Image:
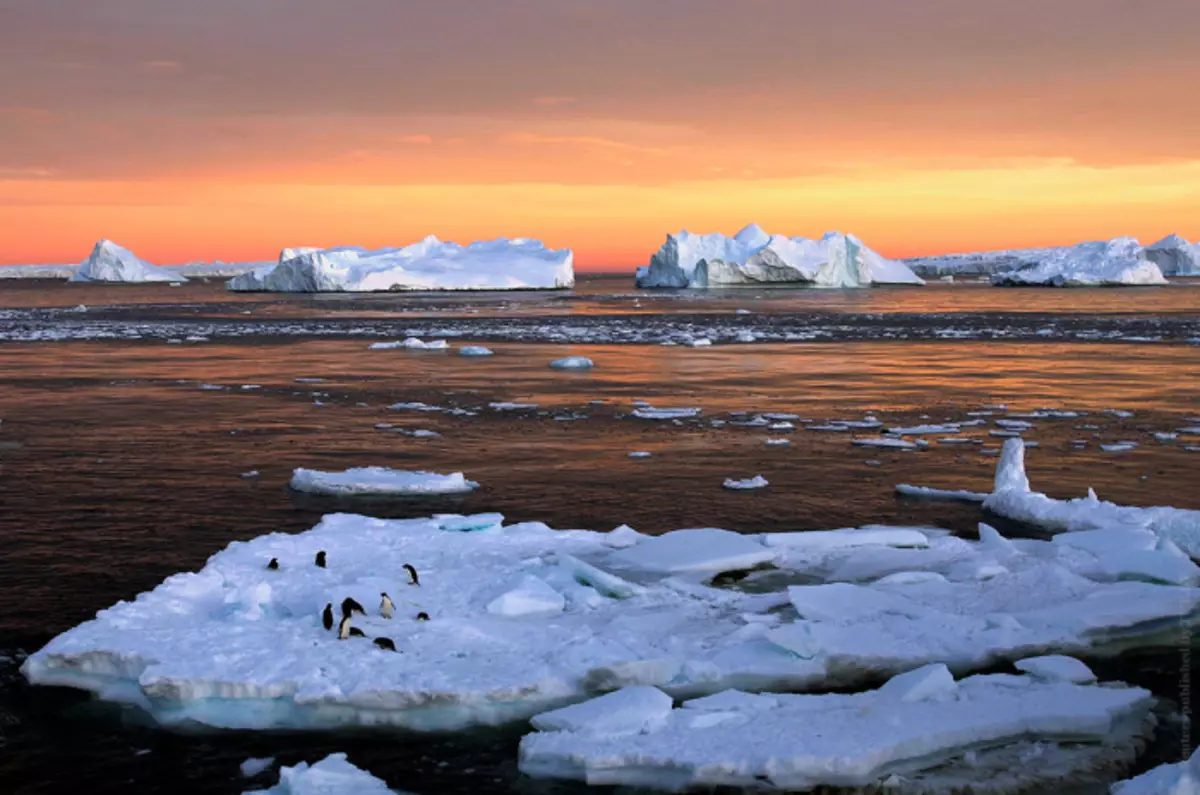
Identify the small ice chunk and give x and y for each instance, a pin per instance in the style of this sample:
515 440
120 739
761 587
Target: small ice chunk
649 413
707 549
333 775
474 350
898 444
756 482
925 493
533 596
1056 668
777 442
573 363
631 710
639 454
253 473
379 481
1119 447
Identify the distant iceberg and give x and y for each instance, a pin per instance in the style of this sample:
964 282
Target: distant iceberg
501 264
109 262
754 258
1175 256
1118 262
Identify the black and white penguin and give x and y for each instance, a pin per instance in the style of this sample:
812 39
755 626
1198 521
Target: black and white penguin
355 632
422 616
344 628
274 564
386 608
385 644
412 573
321 559
349 606
327 616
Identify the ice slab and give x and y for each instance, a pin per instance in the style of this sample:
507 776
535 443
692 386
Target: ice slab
753 257
884 442
630 710
501 264
412 344
911 729
1056 668
109 262
532 597
746 484
333 775
474 350
926 493
705 549
1180 778
365 481
650 413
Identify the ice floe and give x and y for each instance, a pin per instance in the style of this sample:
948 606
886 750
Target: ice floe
255 765
333 775
1117 262
109 262
882 441
753 258
921 732
651 413
474 350
746 484
501 264
1180 778
573 363
379 481
413 344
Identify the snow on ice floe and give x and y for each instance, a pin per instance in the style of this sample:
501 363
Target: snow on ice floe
921 732
753 258
109 262
379 481
572 363
501 264
333 775
1180 778
635 610
1117 262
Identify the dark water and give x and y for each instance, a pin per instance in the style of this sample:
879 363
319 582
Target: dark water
117 470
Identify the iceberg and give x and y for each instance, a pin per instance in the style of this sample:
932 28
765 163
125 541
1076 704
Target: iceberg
501 264
333 775
754 258
379 481
921 732
1174 256
109 262
1117 262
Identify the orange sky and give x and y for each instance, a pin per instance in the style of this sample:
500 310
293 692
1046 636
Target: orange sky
228 129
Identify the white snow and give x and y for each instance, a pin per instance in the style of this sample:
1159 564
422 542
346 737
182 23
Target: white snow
379 481
1117 262
746 484
474 350
1180 778
912 726
752 258
333 775
573 363
109 262
500 264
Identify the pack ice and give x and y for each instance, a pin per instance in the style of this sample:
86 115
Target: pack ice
752 258
921 732
524 619
1118 262
501 264
109 262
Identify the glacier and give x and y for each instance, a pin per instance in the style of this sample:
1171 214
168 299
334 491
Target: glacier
1117 262
921 732
501 264
109 262
754 258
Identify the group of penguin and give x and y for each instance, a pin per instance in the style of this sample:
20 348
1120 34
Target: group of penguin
349 606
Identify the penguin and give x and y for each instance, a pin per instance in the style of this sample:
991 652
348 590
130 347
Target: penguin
327 616
321 559
385 644
422 616
273 565
344 628
385 605
413 574
355 632
349 606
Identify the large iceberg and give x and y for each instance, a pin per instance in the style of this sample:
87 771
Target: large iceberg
1175 256
921 732
753 258
524 619
501 264
109 262
1118 262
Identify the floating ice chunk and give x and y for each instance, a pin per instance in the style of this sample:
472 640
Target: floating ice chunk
1119 447
457 523
897 444
255 765
702 342
925 493
1166 437
926 429
1056 668
631 710
639 454
474 350
253 473
533 596
928 682
412 344
1180 778
701 550
746 484
109 262
649 413
500 264
573 363
1014 425
506 406
379 481
777 442
333 775
805 742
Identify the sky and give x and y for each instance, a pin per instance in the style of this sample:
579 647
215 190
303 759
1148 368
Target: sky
231 128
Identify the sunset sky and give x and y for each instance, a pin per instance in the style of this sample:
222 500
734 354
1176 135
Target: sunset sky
203 129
